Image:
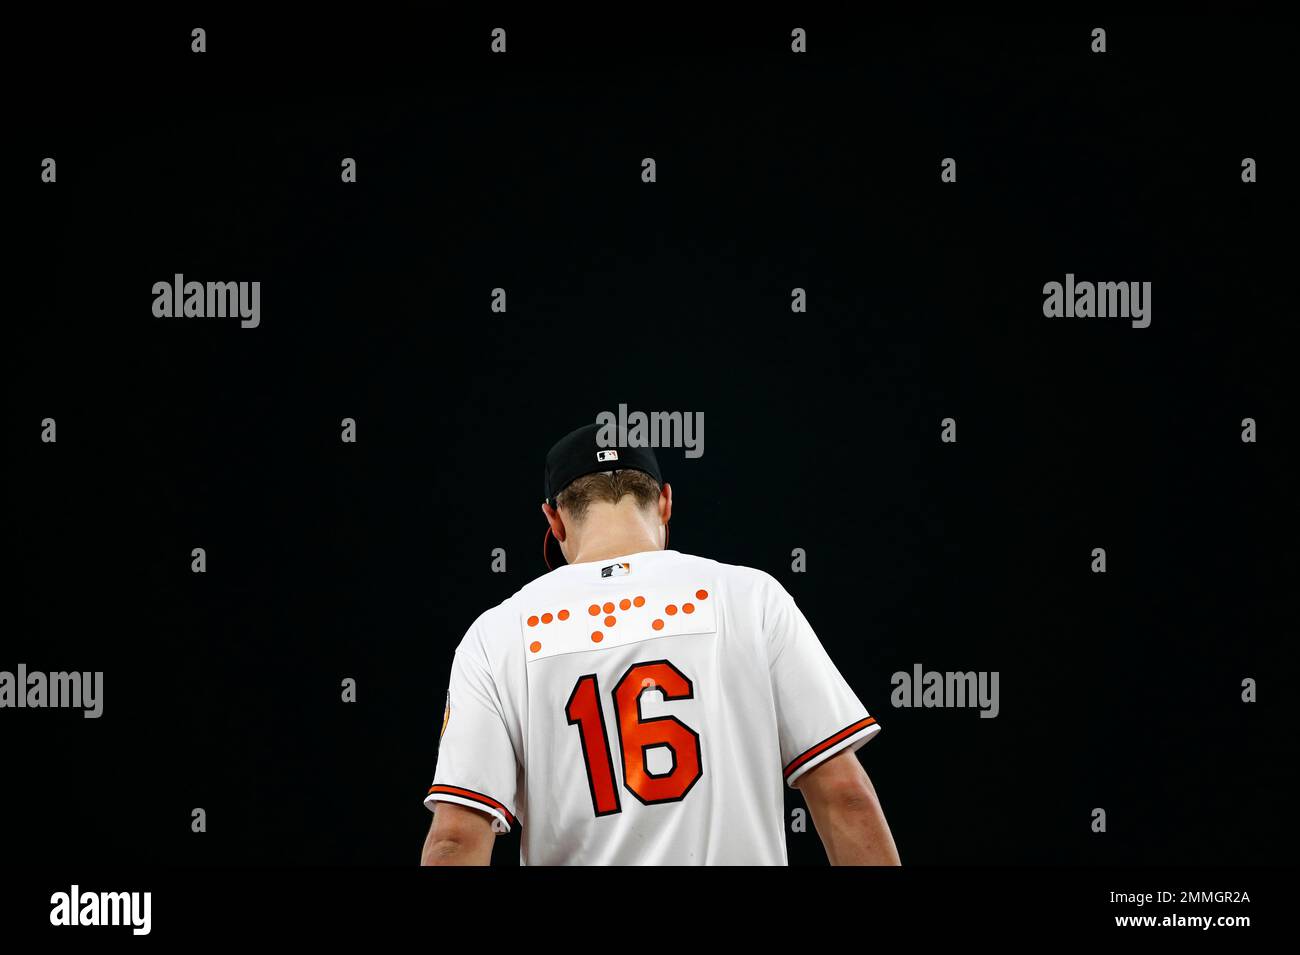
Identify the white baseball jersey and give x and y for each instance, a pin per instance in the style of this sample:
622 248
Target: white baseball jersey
644 710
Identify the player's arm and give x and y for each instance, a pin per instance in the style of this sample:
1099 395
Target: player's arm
847 813
473 793
458 836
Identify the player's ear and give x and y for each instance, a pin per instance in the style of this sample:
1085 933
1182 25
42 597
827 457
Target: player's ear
553 518
665 503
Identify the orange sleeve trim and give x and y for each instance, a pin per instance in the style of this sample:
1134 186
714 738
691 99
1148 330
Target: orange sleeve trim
827 743
473 796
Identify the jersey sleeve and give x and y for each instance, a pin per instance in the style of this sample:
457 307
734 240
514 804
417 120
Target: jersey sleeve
818 714
477 766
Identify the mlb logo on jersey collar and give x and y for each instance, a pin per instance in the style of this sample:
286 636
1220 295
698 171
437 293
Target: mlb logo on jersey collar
607 622
616 570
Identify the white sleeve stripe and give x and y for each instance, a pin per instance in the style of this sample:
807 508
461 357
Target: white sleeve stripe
507 820
849 743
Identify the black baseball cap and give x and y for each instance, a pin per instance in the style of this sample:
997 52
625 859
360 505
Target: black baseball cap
578 454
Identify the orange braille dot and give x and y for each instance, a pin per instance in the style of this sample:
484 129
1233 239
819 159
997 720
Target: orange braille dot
593 609
670 609
532 621
534 646
688 608
597 636
609 607
624 604
547 618
639 601
658 624
701 595
563 615
610 621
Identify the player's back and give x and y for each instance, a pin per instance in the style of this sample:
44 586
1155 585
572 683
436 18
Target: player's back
643 710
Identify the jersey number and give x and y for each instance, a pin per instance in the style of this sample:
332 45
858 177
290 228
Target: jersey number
637 735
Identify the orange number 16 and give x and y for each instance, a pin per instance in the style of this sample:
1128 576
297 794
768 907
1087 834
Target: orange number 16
637 735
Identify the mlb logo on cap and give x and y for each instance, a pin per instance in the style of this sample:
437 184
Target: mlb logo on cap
608 455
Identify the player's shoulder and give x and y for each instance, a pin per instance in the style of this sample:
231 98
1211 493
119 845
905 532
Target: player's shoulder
499 626
736 583
736 574
497 623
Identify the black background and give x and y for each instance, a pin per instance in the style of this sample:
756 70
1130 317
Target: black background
369 561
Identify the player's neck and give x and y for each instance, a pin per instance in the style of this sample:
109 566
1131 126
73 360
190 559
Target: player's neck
616 534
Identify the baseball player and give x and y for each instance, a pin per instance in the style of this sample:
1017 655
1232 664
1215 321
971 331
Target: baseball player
639 706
